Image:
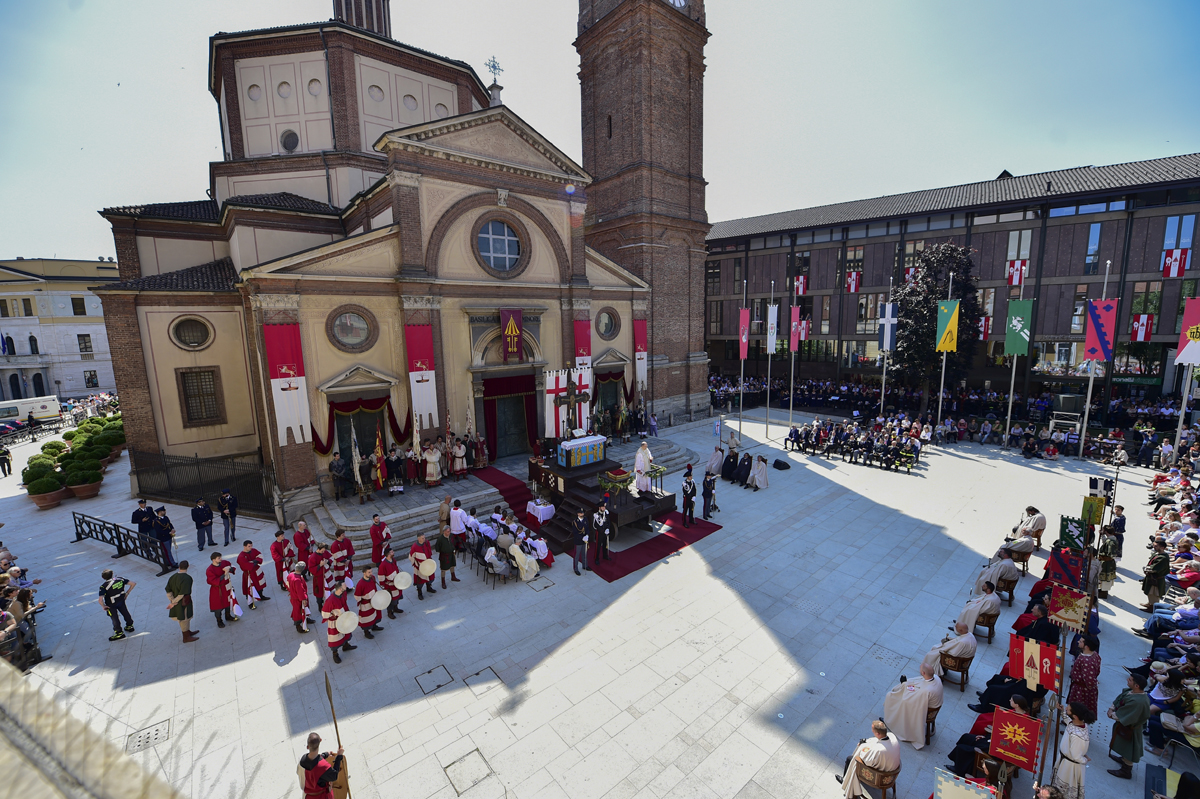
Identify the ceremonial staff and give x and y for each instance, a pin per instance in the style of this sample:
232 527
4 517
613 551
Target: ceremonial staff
336 732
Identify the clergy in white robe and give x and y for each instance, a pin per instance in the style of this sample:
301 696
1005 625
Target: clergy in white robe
881 751
641 464
433 469
1025 543
962 645
714 461
906 706
1003 569
527 566
758 474
980 605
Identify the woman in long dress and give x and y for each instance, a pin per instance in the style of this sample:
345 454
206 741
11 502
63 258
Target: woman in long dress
1072 752
641 464
1085 671
481 452
433 471
412 464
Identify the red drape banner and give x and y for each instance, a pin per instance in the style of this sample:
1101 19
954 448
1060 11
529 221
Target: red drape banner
399 434
743 333
616 377
511 322
583 343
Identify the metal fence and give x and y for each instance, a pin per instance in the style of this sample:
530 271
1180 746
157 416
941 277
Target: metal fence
127 541
38 432
181 479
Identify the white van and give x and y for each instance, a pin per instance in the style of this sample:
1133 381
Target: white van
44 409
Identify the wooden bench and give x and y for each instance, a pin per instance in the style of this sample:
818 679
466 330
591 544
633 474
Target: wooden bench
961 665
874 778
988 621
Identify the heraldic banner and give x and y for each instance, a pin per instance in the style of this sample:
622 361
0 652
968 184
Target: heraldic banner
1067 608
948 785
640 352
1033 661
418 340
1065 567
583 343
1070 533
512 322
1015 738
289 391
1189 335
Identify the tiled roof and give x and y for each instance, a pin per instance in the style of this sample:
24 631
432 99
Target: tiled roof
282 200
216 275
1023 188
192 211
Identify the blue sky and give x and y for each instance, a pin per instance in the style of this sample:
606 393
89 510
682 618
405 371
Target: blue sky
806 102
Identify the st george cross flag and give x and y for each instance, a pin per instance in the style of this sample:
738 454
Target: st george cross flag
794 336
556 414
418 340
1189 335
1143 326
1015 738
1175 262
289 391
772 327
948 785
801 284
583 344
985 328
853 281
1033 661
743 333
1065 567
889 317
1067 608
1015 272
640 353
947 326
1102 324
1016 332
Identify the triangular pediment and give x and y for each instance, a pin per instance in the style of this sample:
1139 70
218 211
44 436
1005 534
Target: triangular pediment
611 357
358 378
374 254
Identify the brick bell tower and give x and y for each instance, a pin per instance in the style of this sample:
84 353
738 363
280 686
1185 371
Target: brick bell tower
642 81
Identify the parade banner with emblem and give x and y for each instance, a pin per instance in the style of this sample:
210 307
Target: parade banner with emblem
1034 662
1014 271
640 353
1102 487
948 785
800 282
1016 332
1102 323
1093 510
1143 327
1065 567
794 337
418 340
1175 262
1071 533
1067 608
985 328
1015 738
583 343
772 328
743 333
853 281
511 324
289 391
947 326
1189 335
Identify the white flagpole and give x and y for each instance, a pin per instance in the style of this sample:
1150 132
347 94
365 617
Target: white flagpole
1187 390
770 302
942 388
742 379
1087 406
883 382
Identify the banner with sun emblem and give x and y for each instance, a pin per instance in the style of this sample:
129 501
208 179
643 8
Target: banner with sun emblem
948 785
1015 738
1067 608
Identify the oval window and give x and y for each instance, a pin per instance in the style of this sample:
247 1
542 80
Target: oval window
314 87
254 92
499 246
606 325
441 111
351 329
284 89
375 93
191 333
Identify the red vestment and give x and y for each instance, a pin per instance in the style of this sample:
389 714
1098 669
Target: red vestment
367 615
252 573
322 579
304 545
426 550
284 555
298 593
386 570
334 606
342 553
380 535
220 587
1023 621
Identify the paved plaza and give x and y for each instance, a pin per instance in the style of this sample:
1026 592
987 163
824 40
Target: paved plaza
747 665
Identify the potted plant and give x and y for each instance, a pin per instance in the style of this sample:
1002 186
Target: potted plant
47 492
84 485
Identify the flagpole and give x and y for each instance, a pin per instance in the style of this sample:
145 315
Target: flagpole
770 354
1087 406
883 382
942 389
742 379
791 380
1012 383
1187 389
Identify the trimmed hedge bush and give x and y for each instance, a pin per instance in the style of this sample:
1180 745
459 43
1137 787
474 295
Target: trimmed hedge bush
83 478
69 435
45 485
41 457
54 446
90 465
66 457
34 472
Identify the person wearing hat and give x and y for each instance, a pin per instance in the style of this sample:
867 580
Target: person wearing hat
254 581
317 773
689 498
579 534
202 515
164 532
179 601
227 505
387 571
381 538
602 532
297 589
1129 713
284 555
708 490
143 518
221 597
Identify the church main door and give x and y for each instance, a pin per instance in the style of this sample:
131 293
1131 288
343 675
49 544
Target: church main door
511 438
365 424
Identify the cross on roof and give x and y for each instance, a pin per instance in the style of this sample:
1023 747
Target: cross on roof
493 66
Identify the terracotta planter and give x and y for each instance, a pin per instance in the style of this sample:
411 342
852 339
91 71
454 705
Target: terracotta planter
51 500
86 491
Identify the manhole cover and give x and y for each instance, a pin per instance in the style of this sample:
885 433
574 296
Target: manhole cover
434 679
151 736
539 583
482 681
468 771
888 657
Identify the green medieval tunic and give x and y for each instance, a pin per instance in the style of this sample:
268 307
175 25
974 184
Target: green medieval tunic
1108 562
180 584
1156 573
444 546
1131 711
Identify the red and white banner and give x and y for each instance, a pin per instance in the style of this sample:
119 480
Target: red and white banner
289 391
1175 262
743 333
1143 326
1014 271
910 274
640 353
583 343
418 340
557 413
794 336
853 281
805 329
985 327
801 284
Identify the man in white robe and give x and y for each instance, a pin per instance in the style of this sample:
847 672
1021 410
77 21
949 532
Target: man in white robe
1003 569
988 602
641 463
714 462
1034 524
907 705
758 474
1025 543
881 751
962 645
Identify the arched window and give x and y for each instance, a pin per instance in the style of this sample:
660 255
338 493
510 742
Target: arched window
33 347
39 386
14 386
10 346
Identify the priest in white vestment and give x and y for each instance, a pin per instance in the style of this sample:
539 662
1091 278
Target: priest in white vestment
988 602
881 751
1025 543
906 706
962 645
1003 569
714 461
527 566
758 474
641 464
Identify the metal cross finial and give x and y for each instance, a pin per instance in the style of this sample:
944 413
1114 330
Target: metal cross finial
493 66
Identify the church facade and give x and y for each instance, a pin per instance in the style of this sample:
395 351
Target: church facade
377 214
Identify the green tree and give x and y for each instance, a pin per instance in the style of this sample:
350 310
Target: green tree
916 333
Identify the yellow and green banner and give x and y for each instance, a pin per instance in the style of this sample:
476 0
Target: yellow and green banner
947 328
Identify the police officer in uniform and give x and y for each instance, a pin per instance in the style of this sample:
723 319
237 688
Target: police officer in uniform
579 532
143 518
5 461
202 515
163 531
689 498
601 530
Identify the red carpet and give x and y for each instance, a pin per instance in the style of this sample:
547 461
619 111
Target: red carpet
516 494
674 538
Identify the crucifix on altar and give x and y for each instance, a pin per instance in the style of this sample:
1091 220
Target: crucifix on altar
572 401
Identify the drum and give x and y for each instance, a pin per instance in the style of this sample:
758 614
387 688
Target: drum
402 580
427 568
347 623
380 600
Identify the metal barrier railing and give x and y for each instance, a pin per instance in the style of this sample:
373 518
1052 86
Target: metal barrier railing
127 542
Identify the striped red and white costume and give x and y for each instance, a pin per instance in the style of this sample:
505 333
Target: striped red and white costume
284 555
386 570
322 577
250 563
342 553
334 606
364 589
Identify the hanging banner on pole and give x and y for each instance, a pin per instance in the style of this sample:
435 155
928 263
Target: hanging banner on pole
418 340
889 318
743 333
1014 271
772 328
1189 336
794 337
947 326
1071 534
1015 738
801 285
640 353
1093 510
1034 662
1016 332
289 390
985 328
583 343
853 281
1065 567
1175 262
1102 323
511 326
1143 327
1067 608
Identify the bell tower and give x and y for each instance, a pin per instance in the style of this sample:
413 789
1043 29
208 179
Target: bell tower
642 82
370 15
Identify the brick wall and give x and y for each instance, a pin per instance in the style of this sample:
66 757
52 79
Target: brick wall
129 370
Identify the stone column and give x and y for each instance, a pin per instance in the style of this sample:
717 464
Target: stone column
406 212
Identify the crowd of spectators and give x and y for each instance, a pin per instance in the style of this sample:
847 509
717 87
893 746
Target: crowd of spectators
18 612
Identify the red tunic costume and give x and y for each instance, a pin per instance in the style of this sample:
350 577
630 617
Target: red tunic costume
298 592
342 553
380 535
423 549
334 606
313 788
386 570
220 587
304 545
322 579
284 555
252 573
364 589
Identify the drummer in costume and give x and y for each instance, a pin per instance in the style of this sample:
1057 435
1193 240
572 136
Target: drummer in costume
320 567
319 770
333 609
365 591
342 552
221 597
304 542
381 538
393 580
418 554
284 555
297 589
254 582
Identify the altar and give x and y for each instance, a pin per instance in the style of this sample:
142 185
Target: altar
581 451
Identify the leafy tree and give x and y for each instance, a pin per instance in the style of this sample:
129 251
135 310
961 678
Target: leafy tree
916 357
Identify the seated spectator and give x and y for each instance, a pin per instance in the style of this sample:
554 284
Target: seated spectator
978 606
1041 628
1186 733
881 752
15 578
962 645
906 706
1002 569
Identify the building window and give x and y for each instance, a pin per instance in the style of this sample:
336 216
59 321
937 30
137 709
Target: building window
758 315
799 262
191 333
1147 298
33 346
738 285
1091 264
1187 292
77 306
90 380
10 346
868 312
27 306
4 309
712 277
987 301
85 342
912 251
731 350
715 317
1079 313
1178 235
499 246
826 304
200 397
805 304
1138 358
1063 358
1018 244
608 324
